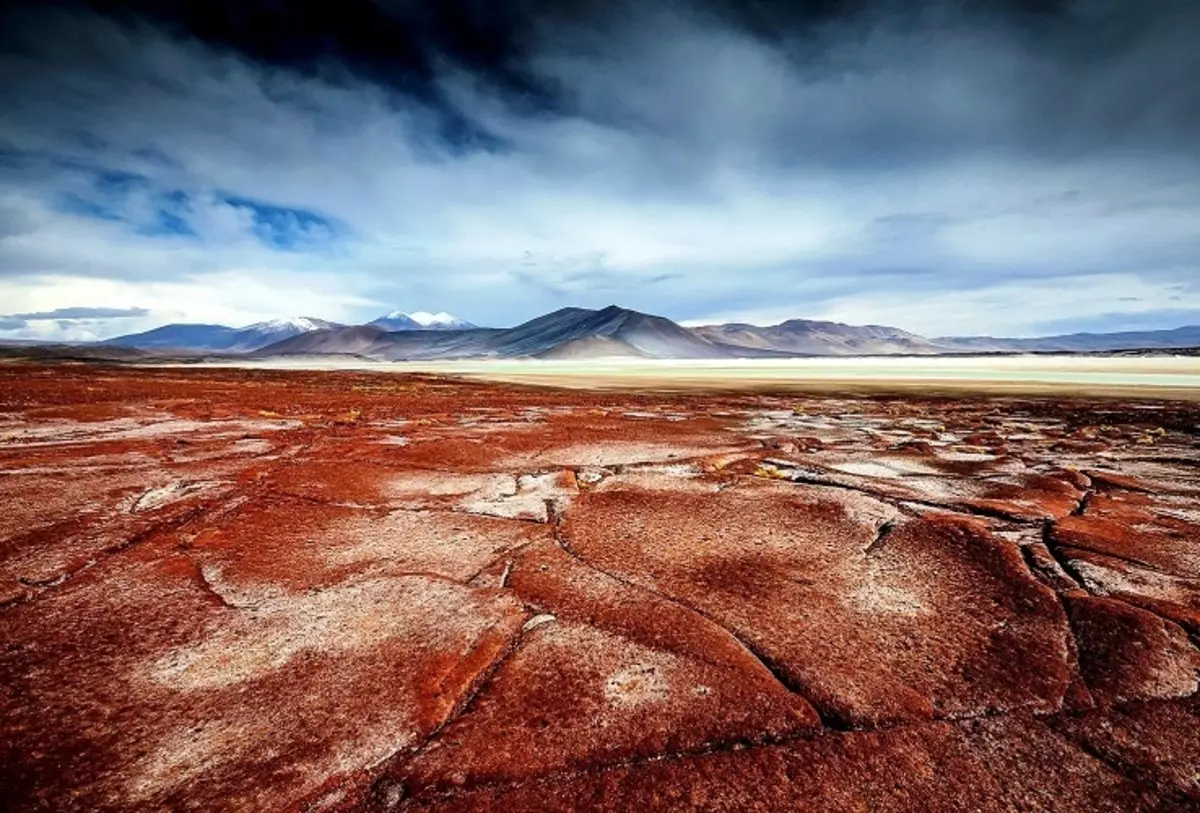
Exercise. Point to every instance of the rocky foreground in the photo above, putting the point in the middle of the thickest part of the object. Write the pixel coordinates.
(234, 590)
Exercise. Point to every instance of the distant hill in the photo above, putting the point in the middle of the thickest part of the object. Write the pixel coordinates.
(358, 340)
(218, 338)
(1078, 342)
(49, 351)
(809, 337)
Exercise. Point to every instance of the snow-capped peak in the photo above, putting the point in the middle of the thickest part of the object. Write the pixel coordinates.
(400, 320)
(426, 319)
(296, 323)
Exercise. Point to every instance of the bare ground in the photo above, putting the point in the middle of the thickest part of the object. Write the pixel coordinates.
(248, 590)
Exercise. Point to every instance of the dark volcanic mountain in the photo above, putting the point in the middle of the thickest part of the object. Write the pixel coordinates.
(639, 333)
(218, 338)
(809, 337)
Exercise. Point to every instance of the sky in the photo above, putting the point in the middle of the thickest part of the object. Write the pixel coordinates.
(952, 168)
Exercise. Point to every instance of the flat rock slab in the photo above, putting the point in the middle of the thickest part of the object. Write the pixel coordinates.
(1127, 653)
(610, 673)
(1158, 744)
(1155, 531)
(300, 546)
(188, 703)
(874, 618)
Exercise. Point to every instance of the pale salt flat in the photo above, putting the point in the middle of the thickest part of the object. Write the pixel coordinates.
(1169, 376)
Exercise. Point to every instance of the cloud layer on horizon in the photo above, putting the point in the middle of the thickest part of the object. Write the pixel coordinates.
(1005, 173)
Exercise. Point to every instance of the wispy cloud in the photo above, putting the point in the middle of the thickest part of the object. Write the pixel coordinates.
(933, 171)
(79, 313)
(75, 323)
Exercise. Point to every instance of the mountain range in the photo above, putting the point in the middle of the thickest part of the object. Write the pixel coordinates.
(218, 338)
(577, 333)
(222, 339)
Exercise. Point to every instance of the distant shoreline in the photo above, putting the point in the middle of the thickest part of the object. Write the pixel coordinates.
(1173, 378)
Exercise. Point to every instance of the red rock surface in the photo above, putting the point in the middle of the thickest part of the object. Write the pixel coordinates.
(236, 590)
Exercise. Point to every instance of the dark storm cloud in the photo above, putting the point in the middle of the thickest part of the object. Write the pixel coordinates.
(885, 87)
(870, 160)
(911, 79)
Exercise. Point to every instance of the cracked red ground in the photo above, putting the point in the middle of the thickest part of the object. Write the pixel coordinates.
(250, 590)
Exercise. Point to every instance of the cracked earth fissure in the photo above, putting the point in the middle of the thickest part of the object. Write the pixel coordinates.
(551, 778)
(956, 508)
(1116, 766)
(1058, 550)
(394, 764)
(45, 586)
(210, 589)
(881, 534)
(779, 674)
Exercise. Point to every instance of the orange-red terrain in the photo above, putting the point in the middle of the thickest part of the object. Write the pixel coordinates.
(249, 590)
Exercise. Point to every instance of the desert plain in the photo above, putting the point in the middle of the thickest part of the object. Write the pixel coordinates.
(355, 590)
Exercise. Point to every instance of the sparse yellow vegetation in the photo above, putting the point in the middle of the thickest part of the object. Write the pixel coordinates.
(770, 472)
(1151, 436)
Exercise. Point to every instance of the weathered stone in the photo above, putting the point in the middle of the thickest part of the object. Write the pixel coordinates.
(1130, 654)
(935, 619)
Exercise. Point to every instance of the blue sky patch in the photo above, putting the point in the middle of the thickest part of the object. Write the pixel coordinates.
(286, 228)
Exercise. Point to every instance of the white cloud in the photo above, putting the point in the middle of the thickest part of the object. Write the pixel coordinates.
(235, 297)
(1011, 309)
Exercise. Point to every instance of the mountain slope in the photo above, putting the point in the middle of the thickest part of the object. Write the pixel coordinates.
(357, 340)
(591, 347)
(178, 337)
